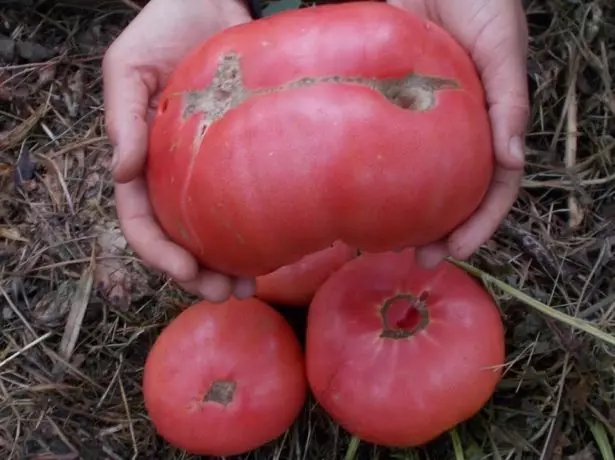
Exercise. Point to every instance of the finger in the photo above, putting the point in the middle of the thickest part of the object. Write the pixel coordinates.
(211, 286)
(500, 53)
(495, 34)
(244, 288)
(145, 236)
(431, 255)
(217, 288)
(127, 92)
(416, 6)
(467, 238)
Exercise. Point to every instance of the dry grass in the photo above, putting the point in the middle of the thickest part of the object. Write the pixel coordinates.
(79, 311)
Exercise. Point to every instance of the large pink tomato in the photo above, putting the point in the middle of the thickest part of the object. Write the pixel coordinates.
(397, 354)
(357, 122)
(295, 284)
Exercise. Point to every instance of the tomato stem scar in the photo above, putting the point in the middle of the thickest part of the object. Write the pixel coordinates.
(414, 319)
(221, 392)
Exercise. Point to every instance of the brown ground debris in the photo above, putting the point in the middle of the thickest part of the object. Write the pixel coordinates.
(79, 311)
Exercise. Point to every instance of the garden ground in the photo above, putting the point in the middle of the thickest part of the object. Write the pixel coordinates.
(79, 311)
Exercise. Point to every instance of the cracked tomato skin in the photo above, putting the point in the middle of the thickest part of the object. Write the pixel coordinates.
(402, 392)
(295, 284)
(245, 343)
(294, 167)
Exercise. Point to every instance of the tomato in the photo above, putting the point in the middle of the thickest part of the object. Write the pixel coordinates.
(223, 379)
(356, 122)
(398, 354)
(295, 284)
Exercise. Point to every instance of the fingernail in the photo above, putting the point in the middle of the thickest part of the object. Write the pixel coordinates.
(214, 287)
(429, 257)
(516, 148)
(244, 288)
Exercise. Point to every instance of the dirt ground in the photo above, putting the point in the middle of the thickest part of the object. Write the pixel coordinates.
(79, 312)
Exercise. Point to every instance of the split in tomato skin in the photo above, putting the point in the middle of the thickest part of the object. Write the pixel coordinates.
(223, 379)
(397, 354)
(295, 284)
(357, 122)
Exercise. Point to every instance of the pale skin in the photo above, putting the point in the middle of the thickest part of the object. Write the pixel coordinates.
(137, 64)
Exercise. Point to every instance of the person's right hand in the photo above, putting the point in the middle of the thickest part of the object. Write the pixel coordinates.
(494, 33)
(135, 69)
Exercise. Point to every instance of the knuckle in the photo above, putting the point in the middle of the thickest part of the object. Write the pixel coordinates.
(110, 57)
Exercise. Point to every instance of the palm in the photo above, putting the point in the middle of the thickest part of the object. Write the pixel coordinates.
(156, 51)
(494, 32)
(135, 69)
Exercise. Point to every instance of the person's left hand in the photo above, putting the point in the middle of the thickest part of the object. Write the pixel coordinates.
(494, 32)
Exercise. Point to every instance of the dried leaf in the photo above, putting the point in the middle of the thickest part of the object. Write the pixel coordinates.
(5, 93)
(14, 136)
(46, 75)
(55, 181)
(79, 304)
(8, 250)
(25, 169)
(586, 454)
(27, 50)
(112, 277)
(5, 168)
(53, 307)
(73, 97)
(11, 233)
(532, 246)
(91, 184)
(10, 93)
(7, 49)
(50, 456)
(33, 52)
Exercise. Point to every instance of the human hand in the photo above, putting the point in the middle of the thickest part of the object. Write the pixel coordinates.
(135, 69)
(494, 32)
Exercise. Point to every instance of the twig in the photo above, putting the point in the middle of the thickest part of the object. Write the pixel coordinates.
(537, 305)
(570, 159)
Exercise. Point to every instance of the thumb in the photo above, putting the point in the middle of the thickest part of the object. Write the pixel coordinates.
(127, 91)
(500, 53)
